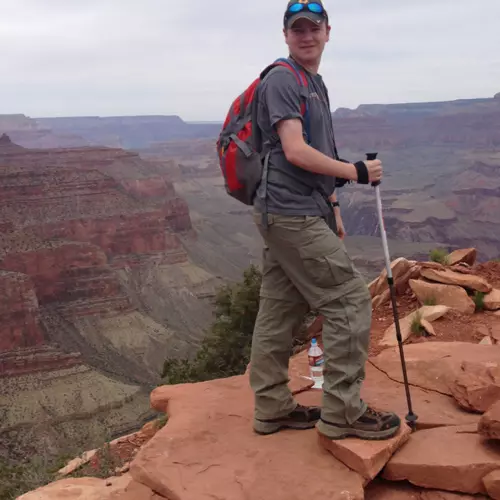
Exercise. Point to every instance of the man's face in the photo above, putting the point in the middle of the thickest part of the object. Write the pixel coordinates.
(306, 40)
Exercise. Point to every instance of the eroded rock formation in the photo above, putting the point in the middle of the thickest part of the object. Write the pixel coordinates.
(96, 281)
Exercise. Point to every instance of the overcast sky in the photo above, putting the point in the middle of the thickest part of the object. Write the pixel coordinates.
(192, 57)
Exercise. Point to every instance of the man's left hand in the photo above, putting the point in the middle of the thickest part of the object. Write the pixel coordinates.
(340, 225)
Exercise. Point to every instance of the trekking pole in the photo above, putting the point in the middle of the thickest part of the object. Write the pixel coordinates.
(411, 418)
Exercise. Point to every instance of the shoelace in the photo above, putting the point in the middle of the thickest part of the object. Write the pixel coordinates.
(302, 408)
(374, 413)
(305, 409)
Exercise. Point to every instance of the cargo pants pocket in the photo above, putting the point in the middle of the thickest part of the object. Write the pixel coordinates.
(327, 262)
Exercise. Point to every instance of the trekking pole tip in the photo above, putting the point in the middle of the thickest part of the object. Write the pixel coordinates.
(411, 420)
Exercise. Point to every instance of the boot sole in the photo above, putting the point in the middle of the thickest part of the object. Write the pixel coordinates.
(361, 434)
(266, 428)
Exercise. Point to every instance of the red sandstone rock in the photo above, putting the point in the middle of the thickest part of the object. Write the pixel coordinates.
(495, 331)
(385, 490)
(208, 449)
(435, 365)
(82, 489)
(372, 286)
(492, 300)
(429, 313)
(384, 394)
(76, 463)
(460, 268)
(427, 326)
(399, 267)
(487, 341)
(446, 495)
(136, 491)
(489, 425)
(483, 330)
(448, 277)
(381, 299)
(366, 457)
(477, 386)
(403, 285)
(466, 255)
(454, 297)
(492, 484)
(432, 265)
(450, 458)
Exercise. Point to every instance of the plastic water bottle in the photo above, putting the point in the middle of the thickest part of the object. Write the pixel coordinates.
(316, 361)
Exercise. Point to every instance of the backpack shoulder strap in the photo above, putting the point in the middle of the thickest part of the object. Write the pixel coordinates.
(337, 157)
(290, 64)
(303, 84)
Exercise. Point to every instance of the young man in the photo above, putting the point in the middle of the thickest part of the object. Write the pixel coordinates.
(305, 263)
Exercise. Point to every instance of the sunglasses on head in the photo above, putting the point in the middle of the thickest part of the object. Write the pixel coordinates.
(314, 7)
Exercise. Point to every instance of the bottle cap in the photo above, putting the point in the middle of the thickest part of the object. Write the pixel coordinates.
(313, 341)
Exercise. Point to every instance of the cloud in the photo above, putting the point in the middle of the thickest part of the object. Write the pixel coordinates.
(191, 58)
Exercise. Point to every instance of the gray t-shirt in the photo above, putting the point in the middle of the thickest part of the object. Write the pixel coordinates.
(291, 190)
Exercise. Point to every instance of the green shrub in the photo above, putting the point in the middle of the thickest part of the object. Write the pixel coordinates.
(416, 324)
(439, 255)
(478, 299)
(162, 421)
(19, 478)
(225, 351)
(430, 301)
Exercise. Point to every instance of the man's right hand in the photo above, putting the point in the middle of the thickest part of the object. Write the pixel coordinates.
(375, 170)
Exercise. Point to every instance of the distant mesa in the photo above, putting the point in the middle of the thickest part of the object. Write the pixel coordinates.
(496, 96)
(5, 140)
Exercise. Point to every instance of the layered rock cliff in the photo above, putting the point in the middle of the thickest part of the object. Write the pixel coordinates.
(464, 123)
(129, 131)
(440, 178)
(19, 313)
(29, 133)
(441, 171)
(455, 209)
(98, 291)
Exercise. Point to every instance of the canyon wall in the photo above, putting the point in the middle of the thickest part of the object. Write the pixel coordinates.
(83, 226)
(128, 131)
(97, 290)
(19, 313)
(28, 132)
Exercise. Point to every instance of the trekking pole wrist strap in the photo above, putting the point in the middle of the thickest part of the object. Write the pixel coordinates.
(362, 170)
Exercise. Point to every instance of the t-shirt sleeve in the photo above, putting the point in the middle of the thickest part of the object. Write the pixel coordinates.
(282, 96)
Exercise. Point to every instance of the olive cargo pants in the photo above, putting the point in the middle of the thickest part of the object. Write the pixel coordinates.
(305, 264)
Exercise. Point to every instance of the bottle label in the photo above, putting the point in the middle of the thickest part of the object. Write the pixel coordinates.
(316, 360)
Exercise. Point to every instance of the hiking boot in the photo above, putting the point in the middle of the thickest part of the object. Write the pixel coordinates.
(303, 417)
(372, 425)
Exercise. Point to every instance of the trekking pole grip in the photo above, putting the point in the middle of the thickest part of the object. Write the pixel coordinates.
(369, 157)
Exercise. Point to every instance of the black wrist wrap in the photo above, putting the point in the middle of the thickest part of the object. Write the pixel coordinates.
(363, 177)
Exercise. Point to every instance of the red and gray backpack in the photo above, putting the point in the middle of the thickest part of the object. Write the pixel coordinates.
(239, 145)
